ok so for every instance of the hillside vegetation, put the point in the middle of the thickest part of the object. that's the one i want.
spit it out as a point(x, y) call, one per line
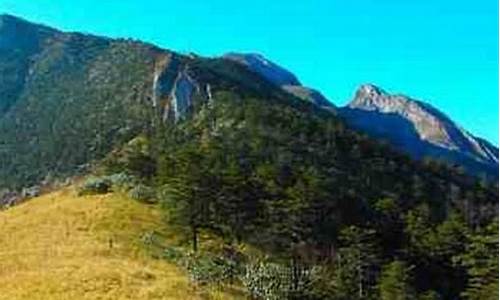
point(328, 212)
point(342, 215)
point(61, 246)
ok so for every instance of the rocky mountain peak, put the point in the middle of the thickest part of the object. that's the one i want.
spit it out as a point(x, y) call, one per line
point(371, 97)
point(369, 89)
point(415, 126)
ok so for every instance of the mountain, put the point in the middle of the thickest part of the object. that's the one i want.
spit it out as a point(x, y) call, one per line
point(296, 203)
point(67, 99)
point(418, 129)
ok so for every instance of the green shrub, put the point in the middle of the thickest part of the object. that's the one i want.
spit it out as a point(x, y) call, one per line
point(267, 280)
point(150, 238)
point(121, 181)
point(143, 193)
point(209, 270)
point(173, 254)
point(429, 295)
point(104, 184)
point(95, 185)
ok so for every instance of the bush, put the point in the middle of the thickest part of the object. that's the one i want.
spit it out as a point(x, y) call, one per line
point(95, 185)
point(429, 295)
point(105, 184)
point(208, 269)
point(143, 193)
point(173, 255)
point(267, 280)
point(121, 181)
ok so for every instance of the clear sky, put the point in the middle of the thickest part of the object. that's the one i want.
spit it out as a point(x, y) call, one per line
point(444, 52)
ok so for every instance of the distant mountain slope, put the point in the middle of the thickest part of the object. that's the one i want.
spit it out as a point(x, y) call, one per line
point(69, 98)
point(18, 41)
point(280, 77)
point(419, 129)
point(264, 67)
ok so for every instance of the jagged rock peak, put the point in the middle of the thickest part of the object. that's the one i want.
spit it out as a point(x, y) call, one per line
point(371, 89)
point(372, 97)
point(430, 125)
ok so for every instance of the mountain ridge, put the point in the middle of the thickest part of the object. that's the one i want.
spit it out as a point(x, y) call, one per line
point(72, 83)
point(427, 132)
point(375, 111)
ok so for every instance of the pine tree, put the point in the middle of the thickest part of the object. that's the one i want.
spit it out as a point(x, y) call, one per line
point(357, 261)
point(481, 261)
point(395, 282)
point(190, 190)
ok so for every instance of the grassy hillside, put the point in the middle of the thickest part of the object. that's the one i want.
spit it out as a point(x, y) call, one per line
point(60, 246)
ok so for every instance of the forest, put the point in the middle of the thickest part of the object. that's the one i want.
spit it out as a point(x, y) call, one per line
point(337, 215)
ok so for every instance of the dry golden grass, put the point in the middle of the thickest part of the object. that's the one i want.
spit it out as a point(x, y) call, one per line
point(60, 246)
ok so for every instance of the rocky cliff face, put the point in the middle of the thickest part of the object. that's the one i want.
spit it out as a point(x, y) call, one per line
point(419, 129)
point(173, 88)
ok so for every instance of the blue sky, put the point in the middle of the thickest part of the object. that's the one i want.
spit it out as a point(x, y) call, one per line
point(444, 52)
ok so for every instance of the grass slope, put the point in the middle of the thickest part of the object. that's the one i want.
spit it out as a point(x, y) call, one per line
point(60, 246)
